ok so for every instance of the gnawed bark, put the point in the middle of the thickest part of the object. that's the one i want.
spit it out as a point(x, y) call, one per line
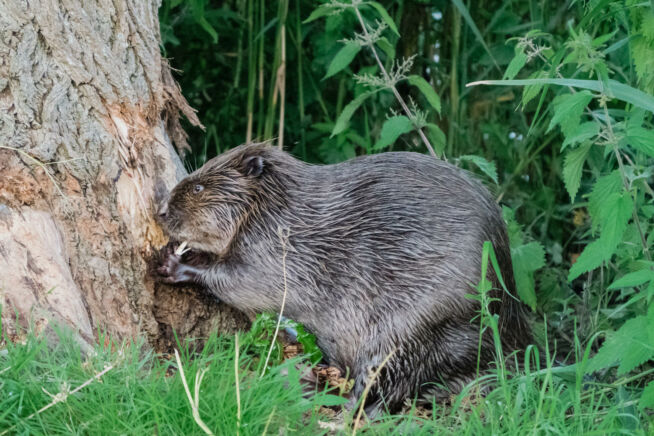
point(87, 107)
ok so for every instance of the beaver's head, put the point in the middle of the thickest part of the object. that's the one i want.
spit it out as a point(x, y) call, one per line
point(207, 208)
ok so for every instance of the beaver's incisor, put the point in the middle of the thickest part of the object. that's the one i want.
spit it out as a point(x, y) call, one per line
point(381, 253)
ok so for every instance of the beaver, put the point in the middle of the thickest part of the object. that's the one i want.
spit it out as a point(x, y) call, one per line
point(381, 252)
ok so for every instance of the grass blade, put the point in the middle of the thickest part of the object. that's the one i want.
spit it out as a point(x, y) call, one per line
point(466, 14)
point(613, 89)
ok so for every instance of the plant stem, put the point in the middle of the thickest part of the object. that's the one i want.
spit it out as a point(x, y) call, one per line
point(281, 88)
point(298, 42)
point(454, 82)
point(262, 25)
point(399, 98)
point(251, 73)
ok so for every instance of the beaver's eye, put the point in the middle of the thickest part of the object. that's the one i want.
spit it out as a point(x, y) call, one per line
point(198, 188)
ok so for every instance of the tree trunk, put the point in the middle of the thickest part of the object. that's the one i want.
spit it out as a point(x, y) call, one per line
point(87, 107)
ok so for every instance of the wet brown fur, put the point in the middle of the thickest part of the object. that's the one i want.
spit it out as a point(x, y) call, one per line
point(381, 253)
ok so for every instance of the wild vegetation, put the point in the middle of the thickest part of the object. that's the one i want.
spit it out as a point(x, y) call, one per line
point(550, 103)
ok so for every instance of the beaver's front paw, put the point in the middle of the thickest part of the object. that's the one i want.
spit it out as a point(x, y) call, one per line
point(173, 270)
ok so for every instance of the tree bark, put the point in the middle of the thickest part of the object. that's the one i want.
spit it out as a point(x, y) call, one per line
point(87, 110)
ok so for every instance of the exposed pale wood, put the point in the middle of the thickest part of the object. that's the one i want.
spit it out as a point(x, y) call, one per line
point(84, 91)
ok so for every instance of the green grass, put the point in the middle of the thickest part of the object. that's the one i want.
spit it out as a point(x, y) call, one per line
point(143, 394)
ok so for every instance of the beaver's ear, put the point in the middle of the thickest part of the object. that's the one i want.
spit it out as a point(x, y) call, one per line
point(252, 166)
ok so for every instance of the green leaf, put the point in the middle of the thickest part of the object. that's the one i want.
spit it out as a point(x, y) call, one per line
point(531, 91)
point(388, 48)
point(342, 59)
point(427, 90)
point(385, 16)
point(617, 45)
point(583, 132)
point(614, 216)
point(348, 111)
point(604, 186)
point(572, 168)
point(197, 8)
point(516, 64)
point(600, 40)
point(437, 138)
point(642, 51)
point(527, 259)
point(568, 109)
point(487, 167)
point(631, 346)
point(641, 139)
point(611, 88)
point(513, 228)
point(328, 400)
point(308, 342)
point(319, 12)
point(647, 397)
point(632, 279)
point(391, 130)
point(591, 258)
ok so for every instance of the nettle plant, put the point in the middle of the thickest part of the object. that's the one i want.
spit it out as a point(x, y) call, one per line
point(604, 112)
point(384, 76)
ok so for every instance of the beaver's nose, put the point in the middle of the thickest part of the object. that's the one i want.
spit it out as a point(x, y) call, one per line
point(163, 211)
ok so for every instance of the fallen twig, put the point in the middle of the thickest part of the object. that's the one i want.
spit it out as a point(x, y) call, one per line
point(195, 402)
point(62, 396)
point(283, 236)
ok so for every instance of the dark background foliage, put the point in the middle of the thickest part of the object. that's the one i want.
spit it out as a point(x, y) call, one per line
point(225, 52)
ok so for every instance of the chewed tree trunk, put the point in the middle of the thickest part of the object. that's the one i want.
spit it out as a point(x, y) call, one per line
point(87, 110)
